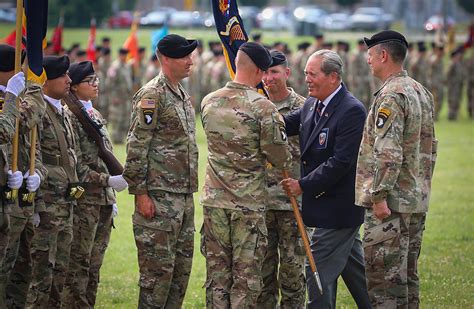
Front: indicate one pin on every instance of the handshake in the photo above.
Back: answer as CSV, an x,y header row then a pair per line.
x,y
15,180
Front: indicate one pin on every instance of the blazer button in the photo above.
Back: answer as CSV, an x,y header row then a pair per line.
x,y
304,162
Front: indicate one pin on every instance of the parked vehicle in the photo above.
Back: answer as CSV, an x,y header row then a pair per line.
x,y
158,17
122,19
436,22
8,15
186,19
274,18
249,15
308,19
337,21
370,18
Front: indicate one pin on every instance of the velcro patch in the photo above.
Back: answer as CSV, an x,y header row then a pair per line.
x,y
2,102
147,103
148,114
382,117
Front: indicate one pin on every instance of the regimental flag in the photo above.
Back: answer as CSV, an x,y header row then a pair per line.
x,y
230,29
11,38
36,27
91,43
132,41
57,38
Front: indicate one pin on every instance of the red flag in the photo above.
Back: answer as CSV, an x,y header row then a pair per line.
x,y
57,38
11,38
132,42
91,43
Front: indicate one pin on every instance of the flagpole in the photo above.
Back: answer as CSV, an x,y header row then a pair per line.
x,y
19,35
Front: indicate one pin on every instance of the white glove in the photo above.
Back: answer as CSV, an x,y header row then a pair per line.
x,y
36,219
16,83
15,179
114,210
32,181
117,183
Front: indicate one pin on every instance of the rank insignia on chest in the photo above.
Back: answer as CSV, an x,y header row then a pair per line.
x,y
382,117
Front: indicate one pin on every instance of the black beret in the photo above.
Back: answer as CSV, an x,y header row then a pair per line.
x,y
360,42
55,66
304,45
81,53
386,36
319,36
421,47
7,54
259,54
457,51
98,48
257,36
75,45
123,51
278,58
175,46
105,51
141,49
105,39
78,71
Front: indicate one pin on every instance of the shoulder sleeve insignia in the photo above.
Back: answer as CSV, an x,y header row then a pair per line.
x,y
382,117
148,113
147,103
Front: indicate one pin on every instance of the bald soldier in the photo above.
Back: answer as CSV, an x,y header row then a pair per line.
x,y
244,132
161,171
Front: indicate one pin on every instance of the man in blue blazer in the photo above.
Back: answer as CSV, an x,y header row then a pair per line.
x,y
330,126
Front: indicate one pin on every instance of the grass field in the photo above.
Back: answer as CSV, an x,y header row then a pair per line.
x,y
446,265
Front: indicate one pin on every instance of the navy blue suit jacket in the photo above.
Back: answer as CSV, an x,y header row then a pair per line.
x,y
328,160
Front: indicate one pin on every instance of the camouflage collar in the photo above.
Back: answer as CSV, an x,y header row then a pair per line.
x,y
287,102
179,92
239,86
402,73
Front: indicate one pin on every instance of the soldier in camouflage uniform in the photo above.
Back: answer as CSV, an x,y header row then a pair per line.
x,y
394,171
470,84
455,79
152,70
219,74
297,75
119,83
359,75
138,67
419,65
53,212
244,131
161,170
103,99
12,86
98,201
436,78
285,246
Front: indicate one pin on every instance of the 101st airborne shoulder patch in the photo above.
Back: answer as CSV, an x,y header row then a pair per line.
x,y
148,107
2,102
382,117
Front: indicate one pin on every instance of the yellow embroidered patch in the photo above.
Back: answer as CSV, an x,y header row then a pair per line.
x,y
385,111
382,117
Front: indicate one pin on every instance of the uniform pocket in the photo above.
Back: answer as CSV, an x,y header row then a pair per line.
x,y
146,282
157,222
382,244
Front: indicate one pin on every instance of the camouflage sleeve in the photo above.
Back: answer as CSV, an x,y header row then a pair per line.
x,y
7,119
273,138
142,130
388,145
32,106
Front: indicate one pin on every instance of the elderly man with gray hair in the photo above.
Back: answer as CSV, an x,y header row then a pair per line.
x,y
330,126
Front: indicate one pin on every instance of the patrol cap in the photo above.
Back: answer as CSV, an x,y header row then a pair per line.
x,y
259,54
278,58
55,66
386,36
7,54
78,71
175,46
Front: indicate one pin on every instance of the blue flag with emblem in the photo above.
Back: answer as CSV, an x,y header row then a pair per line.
x,y
230,29
36,13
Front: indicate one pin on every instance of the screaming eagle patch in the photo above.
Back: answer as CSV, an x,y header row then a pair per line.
x,y
382,117
148,112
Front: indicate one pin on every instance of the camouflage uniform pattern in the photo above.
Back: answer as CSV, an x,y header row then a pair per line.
x,y
162,160
419,69
436,82
297,77
470,84
360,78
285,247
244,131
93,174
102,101
119,85
455,79
51,242
396,162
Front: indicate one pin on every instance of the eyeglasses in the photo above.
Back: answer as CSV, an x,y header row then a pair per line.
x,y
92,81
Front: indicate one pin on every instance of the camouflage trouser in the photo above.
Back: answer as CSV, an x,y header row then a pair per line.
x,y
234,243
454,100
438,97
119,113
470,98
50,249
392,248
18,261
101,242
4,236
85,224
165,247
285,247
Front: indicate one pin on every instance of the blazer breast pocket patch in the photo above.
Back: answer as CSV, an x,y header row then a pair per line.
x,y
322,141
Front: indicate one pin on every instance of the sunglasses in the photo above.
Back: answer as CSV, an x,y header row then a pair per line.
x,y
92,81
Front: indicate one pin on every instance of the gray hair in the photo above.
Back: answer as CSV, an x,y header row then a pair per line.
x,y
331,62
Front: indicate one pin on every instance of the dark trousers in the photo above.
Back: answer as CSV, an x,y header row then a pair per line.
x,y
337,252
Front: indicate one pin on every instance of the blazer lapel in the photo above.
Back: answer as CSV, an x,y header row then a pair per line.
x,y
328,112
307,121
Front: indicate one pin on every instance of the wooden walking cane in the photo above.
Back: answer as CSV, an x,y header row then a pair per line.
x,y
19,35
304,236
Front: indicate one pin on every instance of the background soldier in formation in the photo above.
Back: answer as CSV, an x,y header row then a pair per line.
x,y
283,265
359,75
244,131
119,86
419,65
92,222
161,170
394,171
470,83
436,78
455,79
103,100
